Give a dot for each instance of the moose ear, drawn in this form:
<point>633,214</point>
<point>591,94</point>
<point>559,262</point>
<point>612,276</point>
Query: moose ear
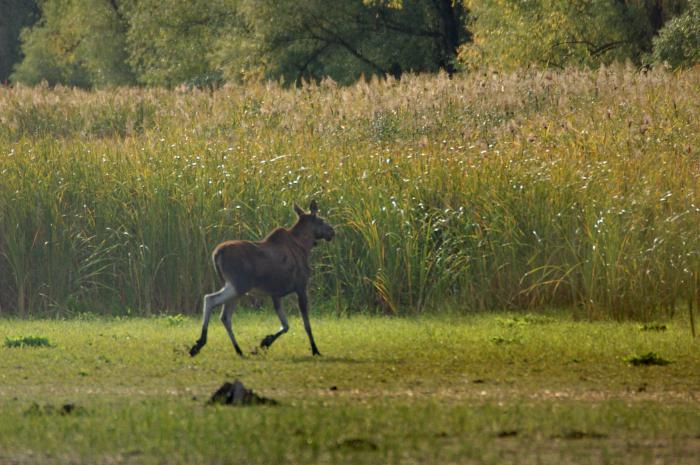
<point>313,207</point>
<point>299,211</point>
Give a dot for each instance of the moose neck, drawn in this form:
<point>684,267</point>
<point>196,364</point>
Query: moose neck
<point>304,236</point>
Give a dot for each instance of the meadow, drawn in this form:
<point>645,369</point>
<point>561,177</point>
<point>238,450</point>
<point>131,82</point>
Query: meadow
<point>466,210</point>
<point>572,189</point>
<point>490,388</point>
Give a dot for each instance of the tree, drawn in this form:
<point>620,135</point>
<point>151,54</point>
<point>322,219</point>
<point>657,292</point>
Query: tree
<point>309,40</point>
<point>678,42</point>
<point>173,42</point>
<point>76,42</point>
<point>200,42</point>
<point>16,14</point>
<point>659,12</point>
<point>558,34</point>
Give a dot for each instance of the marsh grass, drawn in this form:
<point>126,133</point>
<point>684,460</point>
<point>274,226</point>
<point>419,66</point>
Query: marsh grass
<point>485,191</point>
<point>174,320</point>
<point>387,390</point>
<point>653,327</point>
<point>27,341</point>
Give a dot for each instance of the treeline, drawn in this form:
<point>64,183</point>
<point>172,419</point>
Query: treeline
<point>97,43</point>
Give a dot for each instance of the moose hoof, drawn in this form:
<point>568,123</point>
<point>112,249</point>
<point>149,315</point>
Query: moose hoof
<point>315,352</point>
<point>267,341</point>
<point>195,349</point>
<point>239,351</point>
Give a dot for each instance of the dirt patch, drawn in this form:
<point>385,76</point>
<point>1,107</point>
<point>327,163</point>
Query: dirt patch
<point>360,444</point>
<point>648,359</point>
<point>48,409</point>
<point>576,434</point>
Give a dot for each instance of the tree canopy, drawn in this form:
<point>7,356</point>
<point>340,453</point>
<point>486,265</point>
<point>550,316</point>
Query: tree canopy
<point>678,44</point>
<point>14,16</point>
<point>512,33</point>
<point>95,43</point>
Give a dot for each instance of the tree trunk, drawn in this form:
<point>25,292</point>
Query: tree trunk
<point>450,14</point>
<point>656,17</point>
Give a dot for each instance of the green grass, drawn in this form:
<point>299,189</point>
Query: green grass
<point>574,189</point>
<point>387,390</point>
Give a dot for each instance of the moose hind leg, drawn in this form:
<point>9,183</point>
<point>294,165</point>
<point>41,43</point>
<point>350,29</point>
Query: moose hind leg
<point>270,338</point>
<point>226,314</point>
<point>211,301</point>
<point>304,309</point>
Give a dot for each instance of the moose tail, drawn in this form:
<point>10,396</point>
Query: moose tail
<point>215,259</point>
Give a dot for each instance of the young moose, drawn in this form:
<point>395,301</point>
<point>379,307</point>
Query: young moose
<point>278,265</point>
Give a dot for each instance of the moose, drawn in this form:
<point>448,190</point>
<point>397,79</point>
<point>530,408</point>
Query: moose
<point>278,265</point>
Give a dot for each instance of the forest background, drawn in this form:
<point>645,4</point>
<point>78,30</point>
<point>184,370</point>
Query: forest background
<point>97,43</point>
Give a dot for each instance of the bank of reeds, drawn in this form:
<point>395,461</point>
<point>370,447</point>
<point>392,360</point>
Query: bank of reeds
<point>485,191</point>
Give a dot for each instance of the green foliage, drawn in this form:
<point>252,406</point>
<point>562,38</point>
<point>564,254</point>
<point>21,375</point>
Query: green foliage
<point>27,341</point>
<point>308,40</point>
<point>512,34</point>
<point>76,42</point>
<point>678,43</point>
<point>175,320</point>
<point>168,43</point>
<point>174,42</point>
<point>528,319</point>
<point>16,14</point>
<point>49,51</point>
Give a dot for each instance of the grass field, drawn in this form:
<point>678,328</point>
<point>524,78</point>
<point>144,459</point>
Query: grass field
<point>451,389</point>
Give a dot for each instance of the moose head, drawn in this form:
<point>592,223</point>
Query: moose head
<point>311,221</point>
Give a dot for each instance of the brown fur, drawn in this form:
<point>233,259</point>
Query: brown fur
<point>278,265</point>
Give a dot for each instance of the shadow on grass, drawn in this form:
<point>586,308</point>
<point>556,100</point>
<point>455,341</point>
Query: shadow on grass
<point>325,359</point>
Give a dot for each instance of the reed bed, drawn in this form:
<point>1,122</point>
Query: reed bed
<point>482,192</point>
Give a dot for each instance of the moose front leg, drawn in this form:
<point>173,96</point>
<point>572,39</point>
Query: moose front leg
<point>270,338</point>
<point>304,309</point>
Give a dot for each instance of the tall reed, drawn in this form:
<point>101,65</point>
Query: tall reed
<point>485,191</point>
